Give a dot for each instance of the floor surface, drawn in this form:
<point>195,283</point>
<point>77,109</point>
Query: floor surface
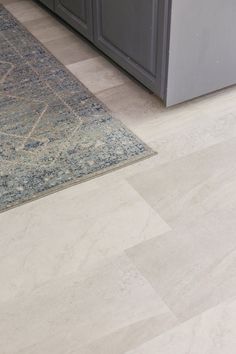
<point>141,260</point>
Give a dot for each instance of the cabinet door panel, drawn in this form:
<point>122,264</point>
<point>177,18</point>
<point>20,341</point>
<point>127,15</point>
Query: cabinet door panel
<point>48,3</point>
<point>127,30</point>
<point>78,13</point>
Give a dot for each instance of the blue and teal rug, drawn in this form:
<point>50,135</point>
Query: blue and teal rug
<point>53,131</point>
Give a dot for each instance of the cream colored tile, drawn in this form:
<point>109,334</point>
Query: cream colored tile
<point>192,268</point>
<point>74,230</point>
<point>179,133</point>
<point>191,186</point>
<point>130,337</point>
<point>132,103</point>
<point>26,10</point>
<point>98,74</point>
<point>117,342</point>
<point>63,289</point>
<point>71,312</point>
<point>47,29</point>
<point>71,49</point>
<point>214,332</point>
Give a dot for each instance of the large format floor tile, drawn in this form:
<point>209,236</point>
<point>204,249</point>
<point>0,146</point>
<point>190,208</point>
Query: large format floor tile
<point>132,103</point>
<point>71,49</point>
<point>26,10</point>
<point>65,314</point>
<point>47,29</point>
<point>74,230</point>
<point>213,332</point>
<point>139,261</point>
<point>192,268</point>
<point>127,338</point>
<point>97,74</point>
<point>176,133</point>
<point>191,186</point>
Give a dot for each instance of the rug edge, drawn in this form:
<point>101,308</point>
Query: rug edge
<point>148,153</point>
<point>80,180</point>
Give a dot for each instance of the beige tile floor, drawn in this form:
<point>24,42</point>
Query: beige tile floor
<point>141,260</point>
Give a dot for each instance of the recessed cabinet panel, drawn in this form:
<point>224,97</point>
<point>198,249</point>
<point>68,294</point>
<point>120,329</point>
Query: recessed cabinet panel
<point>127,30</point>
<point>48,3</point>
<point>134,33</point>
<point>78,13</point>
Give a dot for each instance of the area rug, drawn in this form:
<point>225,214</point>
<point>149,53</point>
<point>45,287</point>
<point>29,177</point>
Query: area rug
<point>53,131</point>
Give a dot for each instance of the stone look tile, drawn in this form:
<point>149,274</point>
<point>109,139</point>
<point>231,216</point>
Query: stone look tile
<point>176,133</point>
<point>130,337</point>
<point>191,186</point>
<point>71,49</point>
<point>132,103</point>
<point>97,74</point>
<point>26,11</point>
<point>72,311</point>
<point>116,342</point>
<point>62,290</point>
<point>213,332</point>
<point>192,268</point>
<point>47,29</point>
<point>73,230</point>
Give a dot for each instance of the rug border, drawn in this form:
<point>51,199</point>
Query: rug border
<point>149,152</point>
<point>77,181</point>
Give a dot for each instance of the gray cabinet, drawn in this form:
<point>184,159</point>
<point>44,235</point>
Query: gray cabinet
<point>134,33</point>
<point>179,49</point>
<point>78,13</point>
<point>48,3</point>
<point>128,31</point>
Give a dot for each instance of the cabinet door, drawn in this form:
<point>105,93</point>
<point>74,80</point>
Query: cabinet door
<point>128,31</point>
<point>78,13</point>
<point>48,3</point>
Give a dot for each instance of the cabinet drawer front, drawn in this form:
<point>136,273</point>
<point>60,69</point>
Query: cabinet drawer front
<point>127,30</point>
<point>78,13</point>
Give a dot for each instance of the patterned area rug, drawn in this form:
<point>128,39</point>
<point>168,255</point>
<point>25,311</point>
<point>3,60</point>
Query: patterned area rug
<point>53,131</point>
